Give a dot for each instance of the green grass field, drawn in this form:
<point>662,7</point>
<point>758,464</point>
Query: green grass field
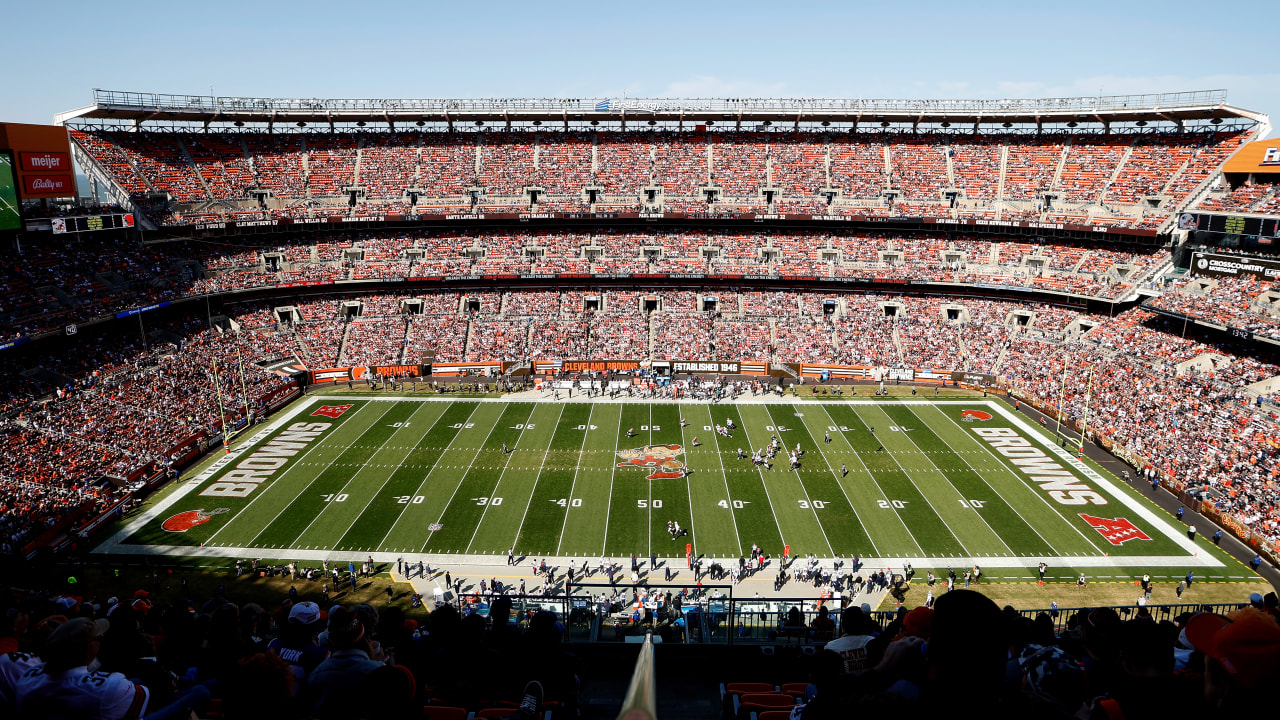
<point>934,486</point>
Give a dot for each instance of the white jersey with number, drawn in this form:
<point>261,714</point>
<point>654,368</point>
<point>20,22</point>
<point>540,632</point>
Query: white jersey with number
<point>12,667</point>
<point>78,694</point>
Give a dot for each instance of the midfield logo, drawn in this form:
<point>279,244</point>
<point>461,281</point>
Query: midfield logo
<point>661,459</point>
<point>1117,532</point>
<point>184,521</point>
<point>332,411</point>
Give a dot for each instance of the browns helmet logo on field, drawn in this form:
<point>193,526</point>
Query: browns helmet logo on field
<point>971,415</point>
<point>661,459</point>
<point>184,521</point>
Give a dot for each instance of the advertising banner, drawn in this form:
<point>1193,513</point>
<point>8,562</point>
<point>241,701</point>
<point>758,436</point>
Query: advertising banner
<point>1216,265</point>
<point>600,365</point>
<point>706,366</point>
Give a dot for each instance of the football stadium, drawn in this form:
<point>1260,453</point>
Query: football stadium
<point>504,407</point>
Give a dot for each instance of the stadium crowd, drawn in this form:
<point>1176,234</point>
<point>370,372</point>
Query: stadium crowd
<point>140,657</point>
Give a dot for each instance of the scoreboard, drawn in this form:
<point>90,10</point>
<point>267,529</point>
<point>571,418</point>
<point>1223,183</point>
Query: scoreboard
<point>1230,224</point>
<point>90,223</point>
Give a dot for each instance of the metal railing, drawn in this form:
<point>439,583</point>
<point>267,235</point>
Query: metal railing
<point>161,102</point>
<point>725,620</point>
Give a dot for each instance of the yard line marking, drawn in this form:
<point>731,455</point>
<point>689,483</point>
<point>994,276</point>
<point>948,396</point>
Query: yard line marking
<point>426,477</point>
<point>786,451</point>
<point>609,505</point>
<point>573,485</point>
<point>374,496</point>
<point>984,482</point>
<point>540,470</point>
<point>765,485</point>
<point>307,452</point>
<point>463,479</point>
<point>737,535</point>
<point>366,464</point>
<point>1007,469</point>
<point>927,501</point>
<point>494,492</point>
<point>867,469</point>
<point>818,448</point>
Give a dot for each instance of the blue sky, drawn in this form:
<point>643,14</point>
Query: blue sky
<point>58,51</point>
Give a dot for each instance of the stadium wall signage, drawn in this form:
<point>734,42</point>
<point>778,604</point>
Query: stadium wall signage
<point>1215,265</point>
<point>333,375</point>
<point>600,365</point>
<point>1059,483</point>
<point>753,217</point>
<point>262,463</point>
<point>973,378</point>
<point>705,366</point>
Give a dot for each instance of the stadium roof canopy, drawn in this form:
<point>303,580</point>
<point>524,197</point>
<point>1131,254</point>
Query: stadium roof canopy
<point>205,109</point>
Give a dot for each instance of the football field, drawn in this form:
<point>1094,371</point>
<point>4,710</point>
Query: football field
<point>937,483</point>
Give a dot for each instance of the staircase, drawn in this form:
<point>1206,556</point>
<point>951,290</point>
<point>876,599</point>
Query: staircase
<point>1128,151</point>
<point>466,346</point>
<point>186,154</point>
<point>897,343</point>
<point>995,367</point>
<point>1004,164</point>
<point>652,337</point>
<point>342,344</point>
<point>1062,163</point>
<point>359,157</point>
<point>773,338</point>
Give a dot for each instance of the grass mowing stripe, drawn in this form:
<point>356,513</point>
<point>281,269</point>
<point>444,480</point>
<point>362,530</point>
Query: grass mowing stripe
<point>976,539</point>
<point>498,526</point>
<point>628,529</point>
<point>800,527</point>
<point>542,514</point>
<point>413,526</point>
<point>463,514</point>
<point>153,532</point>
<point>754,518</point>
<point>886,532</point>
<point>930,533</point>
<point>273,499</point>
<point>369,530</point>
<point>363,487</point>
<point>844,527</point>
<point>585,526</point>
<point>831,508</point>
<point>716,532</point>
<point>1028,502</point>
<point>1016,536</point>
<point>672,493</point>
<point>309,503</point>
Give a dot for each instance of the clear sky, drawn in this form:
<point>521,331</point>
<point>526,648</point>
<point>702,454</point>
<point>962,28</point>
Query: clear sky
<point>58,51</point>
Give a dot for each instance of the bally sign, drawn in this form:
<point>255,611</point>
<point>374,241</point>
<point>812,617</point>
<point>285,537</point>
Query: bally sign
<point>45,162</point>
<point>48,185</point>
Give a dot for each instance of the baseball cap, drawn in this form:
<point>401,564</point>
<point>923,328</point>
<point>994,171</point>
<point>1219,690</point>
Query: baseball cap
<point>1256,598</point>
<point>72,636</point>
<point>345,629</point>
<point>304,613</point>
<point>918,622</point>
<point>141,594</point>
<point>1246,644</point>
